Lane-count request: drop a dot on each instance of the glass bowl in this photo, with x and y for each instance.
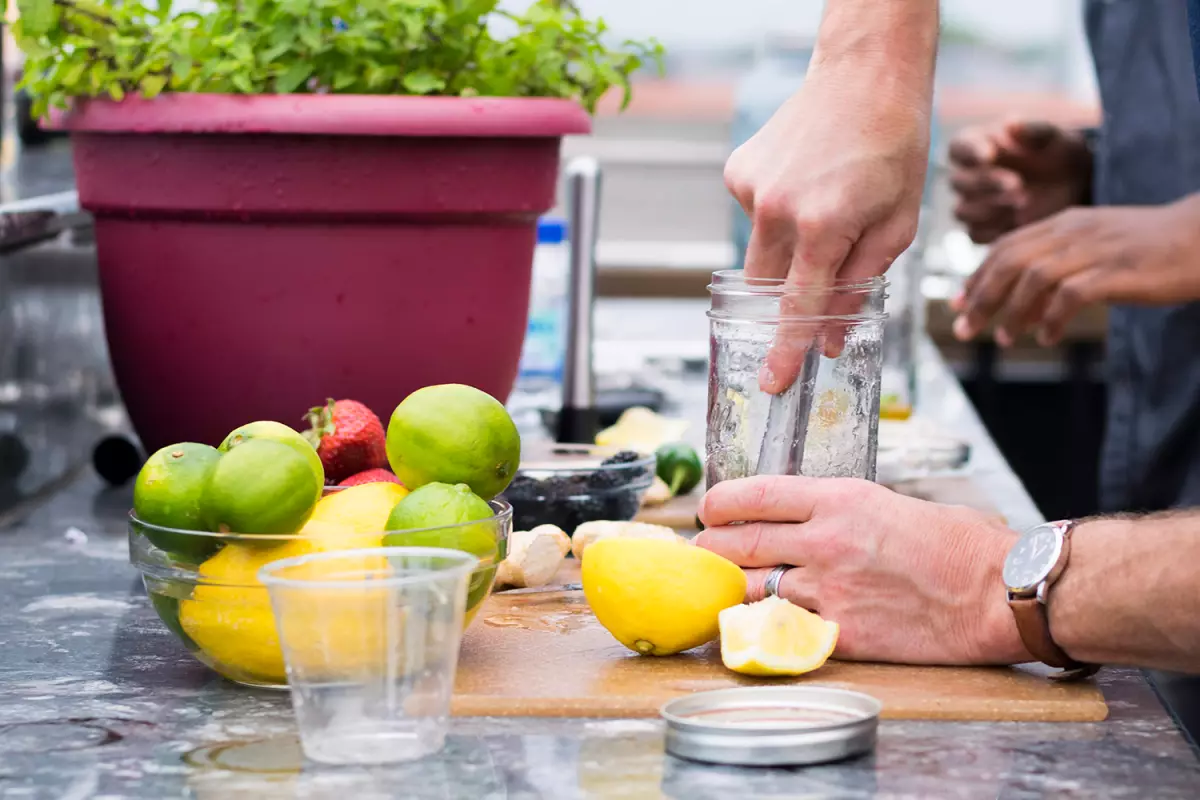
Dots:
(569, 484)
(205, 588)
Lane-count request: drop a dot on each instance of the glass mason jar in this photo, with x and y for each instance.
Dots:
(845, 324)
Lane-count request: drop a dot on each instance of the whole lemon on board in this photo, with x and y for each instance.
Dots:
(659, 597)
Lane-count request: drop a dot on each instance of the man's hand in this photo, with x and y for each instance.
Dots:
(908, 581)
(1039, 277)
(832, 183)
(1009, 175)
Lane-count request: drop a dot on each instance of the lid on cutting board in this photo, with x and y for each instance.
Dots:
(771, 726)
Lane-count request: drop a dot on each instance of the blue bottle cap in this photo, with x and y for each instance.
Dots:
(551, 230)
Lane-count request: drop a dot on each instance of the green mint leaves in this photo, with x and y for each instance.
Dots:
(88, 48)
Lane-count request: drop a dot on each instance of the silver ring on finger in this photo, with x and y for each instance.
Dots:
(771, 585)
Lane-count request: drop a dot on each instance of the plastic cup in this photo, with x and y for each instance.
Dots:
(370, 639)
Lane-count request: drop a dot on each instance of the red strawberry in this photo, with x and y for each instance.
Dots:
(349, 439)
(371, 476)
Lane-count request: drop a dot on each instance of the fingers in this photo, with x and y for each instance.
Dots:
(974, 147)
(1071, 296)
(1027, 300)
(796, 585)
(986, 183)
(815, 260)
(756, 544)
(991, 285)
(1034, 134)
(870, 257)
(770, 498)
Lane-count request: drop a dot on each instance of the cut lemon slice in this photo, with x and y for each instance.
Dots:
(642, 429)
(774, 637)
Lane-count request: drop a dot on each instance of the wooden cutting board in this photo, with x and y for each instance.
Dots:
(546, 655)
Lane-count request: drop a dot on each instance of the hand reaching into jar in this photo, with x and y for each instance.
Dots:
(832, 183)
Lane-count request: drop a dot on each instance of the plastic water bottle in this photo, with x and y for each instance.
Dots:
(540, 376)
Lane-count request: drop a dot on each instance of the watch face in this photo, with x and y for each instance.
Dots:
(1031, 560)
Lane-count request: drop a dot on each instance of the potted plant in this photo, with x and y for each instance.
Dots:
(297, 199)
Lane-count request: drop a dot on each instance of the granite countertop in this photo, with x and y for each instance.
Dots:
(100, 701)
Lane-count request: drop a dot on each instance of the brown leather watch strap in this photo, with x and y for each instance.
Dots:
(1033, 622)
(1034, 626)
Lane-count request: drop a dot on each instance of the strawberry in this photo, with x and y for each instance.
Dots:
(371, 476)
(349, 439)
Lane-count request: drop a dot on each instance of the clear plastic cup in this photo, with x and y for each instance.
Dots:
(370, 639)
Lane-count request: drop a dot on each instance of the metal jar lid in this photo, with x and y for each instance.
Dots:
(772, 725)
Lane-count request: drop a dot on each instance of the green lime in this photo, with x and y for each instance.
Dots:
(277, 432)
(168, 611)
(437, 506)
(453, 434)
(480, 586)
(168, 492)
(261, 486)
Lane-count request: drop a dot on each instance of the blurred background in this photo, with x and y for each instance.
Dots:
(667, 222)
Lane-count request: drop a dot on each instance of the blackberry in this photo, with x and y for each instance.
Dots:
(523, 487)
(623, 457)
(606, 480)
(620, 506)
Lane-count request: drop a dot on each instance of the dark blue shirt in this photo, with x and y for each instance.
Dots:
(1148, 153)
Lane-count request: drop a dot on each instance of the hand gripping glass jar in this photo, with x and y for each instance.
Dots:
(845, 324)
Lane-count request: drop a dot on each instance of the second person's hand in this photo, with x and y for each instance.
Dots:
(1039, 277)
(1010, 174)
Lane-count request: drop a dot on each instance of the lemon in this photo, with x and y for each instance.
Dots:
(659, 597)
(232, 623)
(774, 637)
(639, 428)
(359, 509)
(229, 615)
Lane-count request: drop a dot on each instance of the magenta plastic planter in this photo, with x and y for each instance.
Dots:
(259, 254)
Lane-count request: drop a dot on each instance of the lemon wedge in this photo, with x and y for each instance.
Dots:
(639, 428)
(773, 637)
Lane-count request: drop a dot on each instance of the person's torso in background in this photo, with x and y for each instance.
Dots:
(1148, 153)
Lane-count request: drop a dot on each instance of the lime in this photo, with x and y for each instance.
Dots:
(444, 509)
(453, 434)
(168, 611)
(277, 432)
(261, 486)
(168, 493)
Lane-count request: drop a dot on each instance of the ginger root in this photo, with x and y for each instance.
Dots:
(533, 557)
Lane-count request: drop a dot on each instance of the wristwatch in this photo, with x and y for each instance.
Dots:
(1035, 562)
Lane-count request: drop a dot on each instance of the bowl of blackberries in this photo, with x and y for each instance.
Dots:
(570, 484)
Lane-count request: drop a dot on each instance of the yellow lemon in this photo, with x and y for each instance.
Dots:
(360, 509)
(659, 597)
(229, 615)
(640, 428)
(232, 623)
(774, 637)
